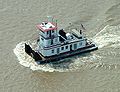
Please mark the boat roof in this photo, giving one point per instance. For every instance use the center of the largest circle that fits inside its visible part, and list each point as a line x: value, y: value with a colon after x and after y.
x: 46, y: 26
x: 75, y: 32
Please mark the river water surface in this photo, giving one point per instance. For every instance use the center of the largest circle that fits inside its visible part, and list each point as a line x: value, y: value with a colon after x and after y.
x: 98, y: 71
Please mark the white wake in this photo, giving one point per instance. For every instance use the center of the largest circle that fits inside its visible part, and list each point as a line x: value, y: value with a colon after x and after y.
x: 109, y: 36
x: 28, y: 61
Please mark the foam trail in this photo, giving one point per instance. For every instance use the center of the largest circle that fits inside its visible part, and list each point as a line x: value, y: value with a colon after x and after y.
x: 109, y: 36
x: 28, y: 61
x: 101, y: 31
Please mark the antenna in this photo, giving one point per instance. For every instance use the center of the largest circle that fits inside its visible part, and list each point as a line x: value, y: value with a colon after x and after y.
x: 69, y: 27
x: 83, y: 26
x: 50, y: 18
x: 56, y: 22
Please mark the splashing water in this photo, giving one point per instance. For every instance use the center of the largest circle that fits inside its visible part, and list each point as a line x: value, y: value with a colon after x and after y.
x: 28, y: 61
x: 109, y: 36
x: 106, y: 37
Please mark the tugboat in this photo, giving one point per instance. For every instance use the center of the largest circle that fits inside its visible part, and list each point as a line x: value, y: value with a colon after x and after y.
x: 54, y: 44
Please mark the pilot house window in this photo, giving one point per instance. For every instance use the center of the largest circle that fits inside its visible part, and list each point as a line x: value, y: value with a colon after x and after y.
x: 52, y: 31
x: 55, y: 40
x: 42, y: 39
x: 41, y: 31
x: 51, y: 41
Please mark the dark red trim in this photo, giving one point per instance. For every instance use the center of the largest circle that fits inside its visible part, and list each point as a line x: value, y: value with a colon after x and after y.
x: 45, y: 30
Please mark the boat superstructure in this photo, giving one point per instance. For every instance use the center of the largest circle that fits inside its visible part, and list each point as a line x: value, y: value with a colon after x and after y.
x: 56, y: 44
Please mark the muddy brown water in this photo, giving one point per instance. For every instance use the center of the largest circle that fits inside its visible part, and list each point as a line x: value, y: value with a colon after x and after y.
x: 98, y: 71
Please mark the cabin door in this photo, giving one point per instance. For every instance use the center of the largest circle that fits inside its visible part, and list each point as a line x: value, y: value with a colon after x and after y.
x: 50, y: 33
x: 70, y: 47
x: 58, y: 50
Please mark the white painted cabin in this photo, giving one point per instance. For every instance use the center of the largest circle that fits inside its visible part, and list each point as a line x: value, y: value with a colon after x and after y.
x: 50, y: 42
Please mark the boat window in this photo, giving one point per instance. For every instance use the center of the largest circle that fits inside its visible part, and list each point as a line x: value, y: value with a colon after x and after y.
x: 53, y: 51
x: 51, y: 41
x: 52, y: 31
x: 80, y: 43
x: 41, y: 31
x: 58, y: 50
x: 62, y: 48
x: 75, y: 46
x: 55, y: 40
x: 66, y: 47
x: 47, y: 32
x: 80, y: 37
x: 42, y: 39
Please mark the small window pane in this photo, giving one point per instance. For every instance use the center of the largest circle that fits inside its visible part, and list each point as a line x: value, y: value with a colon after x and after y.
x: 42, y: 39
x: 62, y: 48
x: 75, y: 46
x: 52, y: 51
x: 80, y: 43
x: 51, y: 41
x: 66, y: 47
x: 55, y: 40
x: 41, y: 31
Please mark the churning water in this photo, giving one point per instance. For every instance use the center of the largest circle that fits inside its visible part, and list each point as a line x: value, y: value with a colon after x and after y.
x: 97, y: 71
x: 107, y: 37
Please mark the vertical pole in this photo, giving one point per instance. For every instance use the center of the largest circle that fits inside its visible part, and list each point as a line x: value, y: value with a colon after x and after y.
x: 56, y: 27
x: 50, y: 19
x: 56, y: 23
